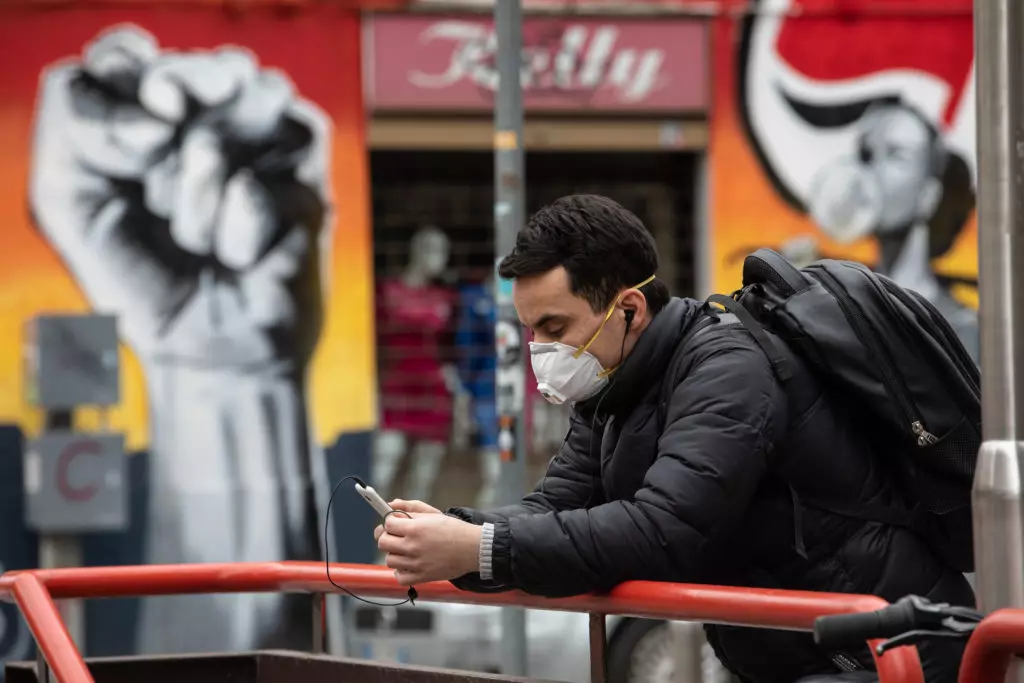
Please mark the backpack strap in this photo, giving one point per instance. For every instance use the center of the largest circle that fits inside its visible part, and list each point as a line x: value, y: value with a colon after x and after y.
x: 779, y: 362
x: 882, y: 514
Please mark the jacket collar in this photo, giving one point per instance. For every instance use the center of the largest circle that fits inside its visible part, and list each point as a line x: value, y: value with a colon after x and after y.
x: 647, y: 363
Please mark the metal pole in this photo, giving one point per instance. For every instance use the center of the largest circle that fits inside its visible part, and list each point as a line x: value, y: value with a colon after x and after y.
x: 56, y: 552
x: 509, y: 213
x: 64, y: 550
x: 703, y: 282
x: 998, y: 529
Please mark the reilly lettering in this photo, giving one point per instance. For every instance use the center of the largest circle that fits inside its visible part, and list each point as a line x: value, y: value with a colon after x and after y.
x: 571, y: 59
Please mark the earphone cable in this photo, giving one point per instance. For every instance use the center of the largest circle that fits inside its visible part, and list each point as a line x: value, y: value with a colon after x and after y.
x: 411, y: 600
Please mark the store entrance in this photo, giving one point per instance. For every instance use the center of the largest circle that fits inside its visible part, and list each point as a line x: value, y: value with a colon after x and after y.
x: 433, y: 214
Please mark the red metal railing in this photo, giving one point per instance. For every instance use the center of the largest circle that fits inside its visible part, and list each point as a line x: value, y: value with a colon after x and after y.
x: 50, y: 633
x: 996, y: 641
x: 35, y: 590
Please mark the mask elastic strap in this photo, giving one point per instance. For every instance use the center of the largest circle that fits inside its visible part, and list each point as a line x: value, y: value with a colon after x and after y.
x: 608, y: 316
x: 583, y: 349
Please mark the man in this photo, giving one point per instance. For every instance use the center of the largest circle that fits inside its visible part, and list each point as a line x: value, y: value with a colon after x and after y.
x: 705, y: 486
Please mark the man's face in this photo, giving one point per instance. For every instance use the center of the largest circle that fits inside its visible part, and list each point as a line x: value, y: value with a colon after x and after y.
x: 554, y: 314
x: 896, y: 148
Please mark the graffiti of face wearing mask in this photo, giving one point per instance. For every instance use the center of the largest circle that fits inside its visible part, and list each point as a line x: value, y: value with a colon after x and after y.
x: 904, y: 188
x: 892, y: 182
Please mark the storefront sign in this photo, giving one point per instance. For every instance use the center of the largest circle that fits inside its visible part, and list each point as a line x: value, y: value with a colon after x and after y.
x: 621, y: 6
x: 448, y: 63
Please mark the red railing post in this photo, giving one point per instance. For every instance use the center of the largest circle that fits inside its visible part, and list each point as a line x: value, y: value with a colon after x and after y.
x: 319, y: 623
x: 51, y: 635
x: 993, y: 645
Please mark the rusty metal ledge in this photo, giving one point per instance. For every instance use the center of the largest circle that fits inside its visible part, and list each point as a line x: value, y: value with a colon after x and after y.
x: 259, y: 667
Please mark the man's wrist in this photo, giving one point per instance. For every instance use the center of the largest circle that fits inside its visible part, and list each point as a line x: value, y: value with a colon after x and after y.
x: 486, y: 551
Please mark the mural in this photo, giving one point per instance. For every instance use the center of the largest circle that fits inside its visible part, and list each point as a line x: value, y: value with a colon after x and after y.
x: 850, y: 135
x: 202, y: 176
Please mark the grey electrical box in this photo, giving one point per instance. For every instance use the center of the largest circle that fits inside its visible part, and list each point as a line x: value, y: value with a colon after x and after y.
x: 72, y: 361
x: 76, y: 482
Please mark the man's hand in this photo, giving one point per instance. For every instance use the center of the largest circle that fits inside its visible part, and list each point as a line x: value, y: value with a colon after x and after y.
x: 417, y: 506
x: 409, y: 506
x: 429, y: 547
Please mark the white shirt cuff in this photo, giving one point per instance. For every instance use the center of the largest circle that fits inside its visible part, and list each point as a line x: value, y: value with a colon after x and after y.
x: 486, y: 548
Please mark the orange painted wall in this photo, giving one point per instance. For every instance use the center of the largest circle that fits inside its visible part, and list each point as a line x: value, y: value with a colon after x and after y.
x: 319, y: 48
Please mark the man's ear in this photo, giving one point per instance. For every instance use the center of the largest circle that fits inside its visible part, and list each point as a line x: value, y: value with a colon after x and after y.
x: 634, y: 305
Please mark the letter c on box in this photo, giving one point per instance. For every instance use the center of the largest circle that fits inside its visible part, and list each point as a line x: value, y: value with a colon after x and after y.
x: 76, y: 494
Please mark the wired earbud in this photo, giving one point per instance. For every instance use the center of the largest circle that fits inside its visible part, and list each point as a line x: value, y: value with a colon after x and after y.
x: 630, y: 314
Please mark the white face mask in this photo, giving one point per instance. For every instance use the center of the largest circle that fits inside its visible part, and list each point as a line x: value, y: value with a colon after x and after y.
x: 563, y: 376
x: 846, y: 201
x: 565, y: 373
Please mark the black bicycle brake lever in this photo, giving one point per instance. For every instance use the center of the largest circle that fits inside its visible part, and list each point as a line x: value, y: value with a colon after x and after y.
x: 911, y: 638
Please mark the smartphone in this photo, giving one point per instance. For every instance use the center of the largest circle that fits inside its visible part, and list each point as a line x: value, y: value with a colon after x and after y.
x: 374, y: 500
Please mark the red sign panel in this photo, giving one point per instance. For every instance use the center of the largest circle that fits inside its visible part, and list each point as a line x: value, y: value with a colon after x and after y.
x: 431, y: 62
x: 705, y: 6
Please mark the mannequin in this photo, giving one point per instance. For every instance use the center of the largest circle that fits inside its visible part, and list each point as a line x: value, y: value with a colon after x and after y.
x: 474, y: 342
x: 418, y: 384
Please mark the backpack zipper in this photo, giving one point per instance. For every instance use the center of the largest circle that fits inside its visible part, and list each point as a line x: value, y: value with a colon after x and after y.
x: 891, y: 379
x: 916, y: 303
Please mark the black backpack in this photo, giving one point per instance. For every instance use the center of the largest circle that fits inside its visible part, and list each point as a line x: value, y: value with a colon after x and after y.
x: 889, y: 354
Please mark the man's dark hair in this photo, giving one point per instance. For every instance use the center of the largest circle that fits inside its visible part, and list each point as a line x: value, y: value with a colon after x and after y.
x: 603, y: 247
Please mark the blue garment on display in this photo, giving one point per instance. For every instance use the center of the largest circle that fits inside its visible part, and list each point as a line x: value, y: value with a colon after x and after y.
x: 477, y: 360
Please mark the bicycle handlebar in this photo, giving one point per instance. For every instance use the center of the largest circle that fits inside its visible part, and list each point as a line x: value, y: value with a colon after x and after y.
x: 853, y: 630
x: 905, y: 622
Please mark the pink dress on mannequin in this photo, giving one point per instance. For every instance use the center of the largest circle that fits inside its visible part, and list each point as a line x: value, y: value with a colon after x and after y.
x: 415, y: 399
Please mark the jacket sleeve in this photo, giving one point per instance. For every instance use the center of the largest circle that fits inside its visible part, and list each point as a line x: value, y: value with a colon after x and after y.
x: 722, y: 421
x: 572, y: 482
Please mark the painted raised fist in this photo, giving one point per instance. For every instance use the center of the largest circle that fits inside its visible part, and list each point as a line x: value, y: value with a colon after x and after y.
x: 186, y: 192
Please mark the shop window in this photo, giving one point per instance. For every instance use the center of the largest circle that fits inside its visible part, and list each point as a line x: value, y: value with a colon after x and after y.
x: 434, y: 256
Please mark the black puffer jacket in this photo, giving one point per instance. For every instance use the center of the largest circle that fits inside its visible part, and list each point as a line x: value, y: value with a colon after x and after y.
x: 707, y: 490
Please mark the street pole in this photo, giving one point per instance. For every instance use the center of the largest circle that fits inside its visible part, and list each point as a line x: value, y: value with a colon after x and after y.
x: 998, y: 522
x: 509, y: 215
x: 62, y: 550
